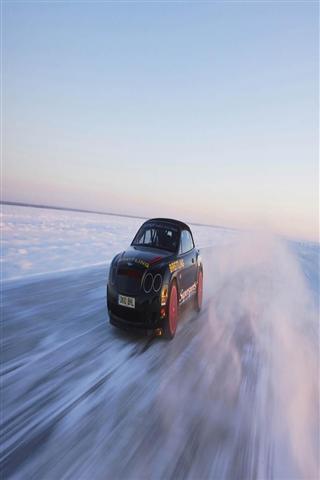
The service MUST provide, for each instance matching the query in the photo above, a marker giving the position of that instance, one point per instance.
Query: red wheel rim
(173, 309)
(200, 289)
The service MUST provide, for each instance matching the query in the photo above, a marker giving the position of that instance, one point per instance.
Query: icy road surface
(233, 396)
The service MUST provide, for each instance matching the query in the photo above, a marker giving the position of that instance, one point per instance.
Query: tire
(199, 295)
(171, 321)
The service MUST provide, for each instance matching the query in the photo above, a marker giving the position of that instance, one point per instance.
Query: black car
(149, 281)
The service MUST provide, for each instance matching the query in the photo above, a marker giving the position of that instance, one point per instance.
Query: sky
(204, 111)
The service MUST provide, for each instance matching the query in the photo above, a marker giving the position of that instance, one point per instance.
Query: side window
(147, 236)
(186, 243)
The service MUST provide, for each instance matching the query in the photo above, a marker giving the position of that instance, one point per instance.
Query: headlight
(113, 270)
(147, 283)
(152, 282)
(157, 282)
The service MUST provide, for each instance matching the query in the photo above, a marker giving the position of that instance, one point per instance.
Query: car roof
(178, 223)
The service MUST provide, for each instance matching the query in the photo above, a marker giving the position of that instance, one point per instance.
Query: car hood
(144, 256)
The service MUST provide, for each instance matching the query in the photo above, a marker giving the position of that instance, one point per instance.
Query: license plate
(126, 301)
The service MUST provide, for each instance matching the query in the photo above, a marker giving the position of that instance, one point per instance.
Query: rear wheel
(199, 295)
(170, 324)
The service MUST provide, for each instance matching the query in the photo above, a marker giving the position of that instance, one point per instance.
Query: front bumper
(144, 317)
(130, 326)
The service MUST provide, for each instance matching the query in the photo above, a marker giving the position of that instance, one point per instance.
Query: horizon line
(99, 212)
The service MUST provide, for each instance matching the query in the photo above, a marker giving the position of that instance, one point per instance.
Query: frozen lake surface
(39, 240)
(235, 395)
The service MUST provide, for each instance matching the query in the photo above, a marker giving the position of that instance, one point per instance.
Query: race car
(148, 282)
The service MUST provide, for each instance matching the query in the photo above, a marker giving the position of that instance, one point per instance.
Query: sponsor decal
(176, 265)
(138, 261)
(188, 292)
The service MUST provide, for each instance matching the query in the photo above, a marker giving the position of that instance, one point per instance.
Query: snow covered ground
(39, 240)
(234, 396)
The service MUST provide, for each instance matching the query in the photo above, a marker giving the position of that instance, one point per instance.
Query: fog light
(164, 295)
(158, 332)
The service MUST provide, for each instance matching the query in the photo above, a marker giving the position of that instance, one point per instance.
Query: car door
(188, 255)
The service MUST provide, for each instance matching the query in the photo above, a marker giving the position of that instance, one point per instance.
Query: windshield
(158, 236)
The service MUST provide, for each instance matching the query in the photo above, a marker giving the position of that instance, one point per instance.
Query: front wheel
(199, 295)
(170, 324)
